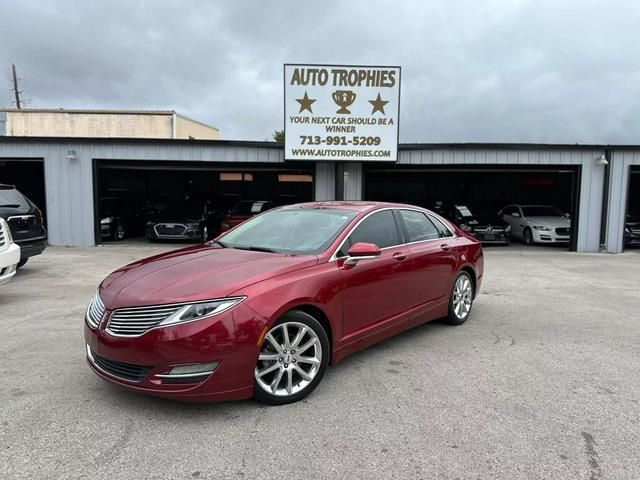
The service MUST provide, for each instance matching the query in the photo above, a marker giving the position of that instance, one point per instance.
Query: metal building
(595, 183)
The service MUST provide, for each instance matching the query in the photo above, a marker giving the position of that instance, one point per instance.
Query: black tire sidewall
(528, 237)
(308, 320)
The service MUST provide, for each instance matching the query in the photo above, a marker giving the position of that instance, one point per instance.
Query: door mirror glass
(515, 214)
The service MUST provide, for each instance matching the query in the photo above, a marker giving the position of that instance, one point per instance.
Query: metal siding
(353, 181)
(325, 181)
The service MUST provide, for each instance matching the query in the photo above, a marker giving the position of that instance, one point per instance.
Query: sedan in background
(187, 220)
(242, 211)
(266, 307)
(537, 223)
(487, 227)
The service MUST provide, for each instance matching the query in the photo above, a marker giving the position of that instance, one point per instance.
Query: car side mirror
(362, 251)
(515, 214)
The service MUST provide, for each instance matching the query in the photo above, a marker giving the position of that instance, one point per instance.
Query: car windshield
(10, 197)
(290, 230)
(542, 211)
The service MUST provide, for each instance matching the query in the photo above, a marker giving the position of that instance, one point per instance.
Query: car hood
(176, 218)
(487, 219)
(553, 222)
(194, 273)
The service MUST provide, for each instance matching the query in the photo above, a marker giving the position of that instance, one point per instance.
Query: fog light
(185, 372)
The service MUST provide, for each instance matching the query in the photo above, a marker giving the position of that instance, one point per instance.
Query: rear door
(378, 289)
(432, 247)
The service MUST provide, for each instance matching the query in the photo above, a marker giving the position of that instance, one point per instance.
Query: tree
(278, 136)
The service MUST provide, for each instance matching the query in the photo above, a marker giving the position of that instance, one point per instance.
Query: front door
(378, 289)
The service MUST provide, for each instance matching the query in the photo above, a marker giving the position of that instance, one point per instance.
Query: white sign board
(341, 113)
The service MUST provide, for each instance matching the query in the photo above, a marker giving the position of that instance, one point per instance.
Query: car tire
(21, 263)
(283, 375)
(527, 237)
(119, 232)
(460, 299)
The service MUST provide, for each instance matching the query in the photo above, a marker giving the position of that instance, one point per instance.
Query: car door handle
(446, 247)
(399, 256)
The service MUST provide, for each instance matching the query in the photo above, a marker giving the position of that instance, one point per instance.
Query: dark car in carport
(120, 218)
(192, 220)
(486, 226)
(25, 221)
(632, 231)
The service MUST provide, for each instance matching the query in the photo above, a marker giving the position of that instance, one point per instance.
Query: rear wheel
(460, 299)
(119, 232)
(292, 360)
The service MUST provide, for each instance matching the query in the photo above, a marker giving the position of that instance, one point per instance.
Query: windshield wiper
(254, 249)
(223, 245)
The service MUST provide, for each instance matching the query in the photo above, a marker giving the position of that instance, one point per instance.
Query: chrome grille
(95, 312)
(497, 230)
(133, 322)
(170, 229)
(2, 240)
(562, 231)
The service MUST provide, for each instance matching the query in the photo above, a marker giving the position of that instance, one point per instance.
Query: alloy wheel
(289, 360)
(462, 297)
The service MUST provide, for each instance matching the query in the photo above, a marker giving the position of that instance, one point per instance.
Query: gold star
(378, 105)
(305, 103)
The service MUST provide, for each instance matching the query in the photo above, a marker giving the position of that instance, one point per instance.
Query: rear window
(10, 197)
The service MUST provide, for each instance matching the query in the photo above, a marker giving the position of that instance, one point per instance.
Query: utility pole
(16, 91)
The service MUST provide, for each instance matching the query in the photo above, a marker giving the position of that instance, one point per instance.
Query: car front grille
(95, 311)
(562, 231)
(133, 322)
(125, 371)
(490, 230)
(22, 222)
(2, 240)
(170, 229)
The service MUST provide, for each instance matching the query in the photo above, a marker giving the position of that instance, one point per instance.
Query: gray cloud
(499, 70)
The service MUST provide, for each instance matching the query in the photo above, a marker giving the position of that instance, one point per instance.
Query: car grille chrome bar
(170, 229)
(497, 230)
(135, 321)
(562, 231)
(95, 312)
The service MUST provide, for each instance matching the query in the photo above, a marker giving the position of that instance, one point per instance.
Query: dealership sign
(341, 113)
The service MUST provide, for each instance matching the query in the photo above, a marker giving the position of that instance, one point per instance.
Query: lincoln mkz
(264, 309)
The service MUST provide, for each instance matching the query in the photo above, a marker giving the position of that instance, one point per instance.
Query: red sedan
(262, 310)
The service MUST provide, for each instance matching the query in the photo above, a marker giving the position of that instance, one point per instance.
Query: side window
(443, 231)
(508, 210)
(379, 228)
(418, 226)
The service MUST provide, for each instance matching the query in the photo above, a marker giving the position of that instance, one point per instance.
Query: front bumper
(488, 238)
(231, 339)
(31, 247)
(8, 261)
(550, 236)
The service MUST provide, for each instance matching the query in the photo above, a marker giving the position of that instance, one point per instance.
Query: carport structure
(593, 182)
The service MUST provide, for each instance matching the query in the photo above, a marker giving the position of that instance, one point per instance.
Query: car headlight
(197, 311)
(192, 226)
(508, 229)
(224, 225)
(542, 228)
(150, 223)
(106, 221)
(7, 231)
(465, 227)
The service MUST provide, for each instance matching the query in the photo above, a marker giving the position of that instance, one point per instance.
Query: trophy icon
(343, 99)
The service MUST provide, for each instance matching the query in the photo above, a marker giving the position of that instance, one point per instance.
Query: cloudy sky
(472, 71)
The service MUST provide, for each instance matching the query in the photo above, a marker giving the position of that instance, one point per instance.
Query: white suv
(9, 253)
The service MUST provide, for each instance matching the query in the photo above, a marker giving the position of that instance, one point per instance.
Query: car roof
(359, 206)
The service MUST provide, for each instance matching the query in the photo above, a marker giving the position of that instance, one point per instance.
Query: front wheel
(460, 299)
(528, 237)
(292, 360)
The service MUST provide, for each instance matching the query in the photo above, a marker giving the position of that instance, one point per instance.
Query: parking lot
(541, 382)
